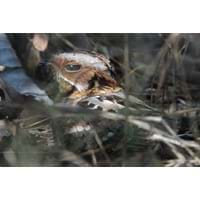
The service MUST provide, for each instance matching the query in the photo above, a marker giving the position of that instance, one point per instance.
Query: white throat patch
(79, 87)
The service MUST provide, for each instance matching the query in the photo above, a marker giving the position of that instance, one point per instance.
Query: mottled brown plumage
(86, 80)
(84, 74)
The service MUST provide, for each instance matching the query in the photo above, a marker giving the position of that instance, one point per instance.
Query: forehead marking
(85, 60)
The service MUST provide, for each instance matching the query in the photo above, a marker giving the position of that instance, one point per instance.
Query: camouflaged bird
(86, 79)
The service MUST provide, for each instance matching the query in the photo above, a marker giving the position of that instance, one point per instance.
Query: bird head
(81, 72)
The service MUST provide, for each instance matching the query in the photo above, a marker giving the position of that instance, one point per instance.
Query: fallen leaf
(40, 41)
(2, 68)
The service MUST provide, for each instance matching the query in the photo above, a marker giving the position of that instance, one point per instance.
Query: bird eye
(72, 68)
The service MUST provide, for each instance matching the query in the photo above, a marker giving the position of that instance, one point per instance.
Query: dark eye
(72, 68)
